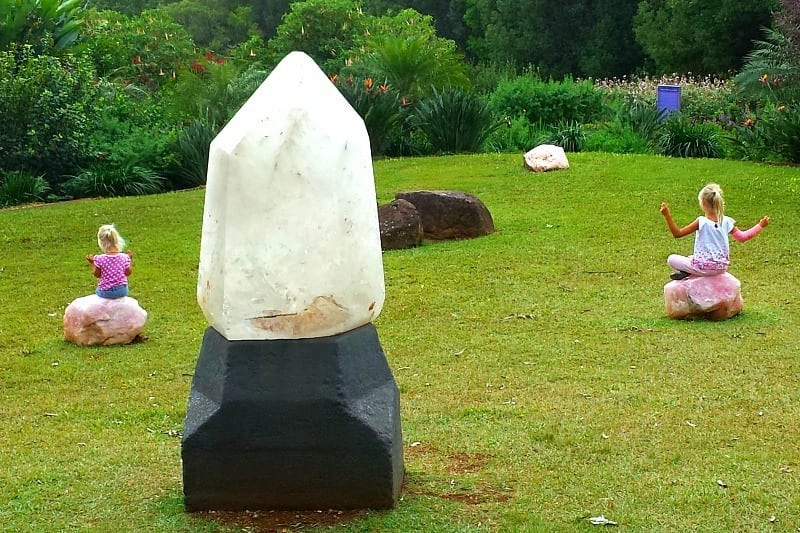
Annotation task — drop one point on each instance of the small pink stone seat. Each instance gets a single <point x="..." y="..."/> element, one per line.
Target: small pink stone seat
<point x="711" y="297"/>
<point x="91" y="320"/>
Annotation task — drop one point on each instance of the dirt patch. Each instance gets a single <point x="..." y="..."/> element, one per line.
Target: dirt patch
<point x="281" y="521"/>
<point x="477" y="496"/>
<point x="463" y="463"/>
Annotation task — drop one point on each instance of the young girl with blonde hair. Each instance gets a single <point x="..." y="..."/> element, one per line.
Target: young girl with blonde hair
<point x="112" y="267"/>
<point x="711" y="250"/>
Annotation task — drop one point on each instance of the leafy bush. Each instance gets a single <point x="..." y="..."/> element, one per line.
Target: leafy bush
<point x="191" y="149"/>
<point x="128" y="181"/>
<point x="683" y="138"/>
<point x="46" y="105"/>
<point x="18" y="187"/>
<point x="547" y="102"/>
<point x="454" y="121"/>
<point x="149" y="49"/>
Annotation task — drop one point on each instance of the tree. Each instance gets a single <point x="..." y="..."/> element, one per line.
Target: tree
<point x="587" y="38"/>
<point x="709" y="36"/>
<point x="211" y="24"/>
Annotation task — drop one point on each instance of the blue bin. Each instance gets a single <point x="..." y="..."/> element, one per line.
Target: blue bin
<point x="668" y="99"/>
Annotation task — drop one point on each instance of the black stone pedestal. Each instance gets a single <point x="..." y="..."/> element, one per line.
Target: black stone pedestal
<point x="292" y="424"/>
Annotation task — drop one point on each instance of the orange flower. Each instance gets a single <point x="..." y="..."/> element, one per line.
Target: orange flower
<point x="334" y="78"/>
<point x="368" y="83"/>
<point x="384" y="88"/>
<point x="749" y="122"/>
<point x="137" y="60"/>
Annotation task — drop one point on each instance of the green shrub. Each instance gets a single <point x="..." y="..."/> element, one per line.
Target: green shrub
<point x="149" y="49"/>
<point x="17" y="187"/>
<point x="128" y="181"/>
<point x="615" y="137"/>
<point x="379" y="106"/>
<point x="547" y="102"/>
<point x="47" y="112"/>
<point x="454" y="121"/>
<point x="683" y="138"/>
<point x="517" y="134"/>
<point x="191" y="149"/>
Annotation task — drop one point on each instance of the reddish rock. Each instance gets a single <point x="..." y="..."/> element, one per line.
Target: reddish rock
<point x="450" y="214"/>
<point x="400" y="225"/>
<point x="92" y="320"/>
<point x="711" y="297"/>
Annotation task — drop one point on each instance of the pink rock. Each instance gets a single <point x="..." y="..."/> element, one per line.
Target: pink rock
<point x="92" y="320"/>
<point x="711" y="297"/>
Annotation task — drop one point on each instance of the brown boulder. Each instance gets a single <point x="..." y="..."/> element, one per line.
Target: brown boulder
<point x="450" y="214"/>
<point x="400" y="225"/>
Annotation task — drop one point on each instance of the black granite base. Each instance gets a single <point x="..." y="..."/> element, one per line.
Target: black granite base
<point x="292" y="424"/>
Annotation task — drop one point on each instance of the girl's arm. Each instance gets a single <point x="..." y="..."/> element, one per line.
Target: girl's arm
<point x="130" y="265"/>
<point x="673" y="228"/>
<point x="742" y="236"/>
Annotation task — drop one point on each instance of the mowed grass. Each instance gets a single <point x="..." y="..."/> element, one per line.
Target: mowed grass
<point x="541" y="381"/>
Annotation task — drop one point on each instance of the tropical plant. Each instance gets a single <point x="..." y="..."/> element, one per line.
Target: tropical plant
<point x="191" y="149"/>
<point x="781" y="128"/>
<point x="36" y="22"/>
<point x="569" y="135"/>
<point x="644" y="120"/>
<point x="454" y="120"/>
<point x="772" y="70"/>
<point x="205" y="90"/>
<point x="124" y="181"/>
<point x="379" y="107"/>
<point x="684" y="138"/>
<point x="19" y="187"/>
<point x="415" y="65"/>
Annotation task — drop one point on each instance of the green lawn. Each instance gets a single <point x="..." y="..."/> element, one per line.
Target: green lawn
<point x="541" y="381"/>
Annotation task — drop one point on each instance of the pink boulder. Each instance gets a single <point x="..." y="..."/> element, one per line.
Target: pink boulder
<point x="92" y="320"/>
<point x="712" y="297"/>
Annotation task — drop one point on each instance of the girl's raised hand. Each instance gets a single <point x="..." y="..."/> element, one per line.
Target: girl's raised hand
<point x="664" y="208"/>
<point x="90" y="258"/>
<point x="763" y="222"/>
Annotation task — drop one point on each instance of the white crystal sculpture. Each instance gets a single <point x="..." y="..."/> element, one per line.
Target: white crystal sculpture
<point x="290" y="245"/>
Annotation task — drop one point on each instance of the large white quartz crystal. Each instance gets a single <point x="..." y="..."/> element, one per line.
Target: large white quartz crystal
<point x="291" y="243"/>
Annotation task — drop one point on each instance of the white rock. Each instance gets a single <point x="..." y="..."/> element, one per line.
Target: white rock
<point x="290" y="244"/>
<point x="91" y="320"/>
<point x="546" y="157"/>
